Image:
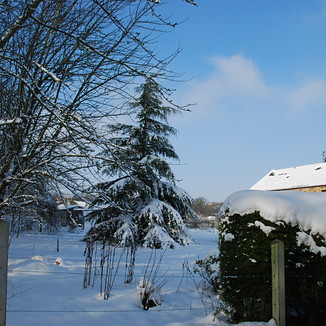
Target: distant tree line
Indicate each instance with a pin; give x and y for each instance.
(204, 208)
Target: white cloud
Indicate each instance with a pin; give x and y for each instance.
(236, 82)
(240, 76)
(310, 95)
(234, 78)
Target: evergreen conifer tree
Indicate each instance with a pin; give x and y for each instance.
(142, 205)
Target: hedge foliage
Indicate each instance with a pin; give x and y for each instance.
(244, 280)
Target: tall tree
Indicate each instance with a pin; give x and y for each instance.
(65, 67)
(142, 205)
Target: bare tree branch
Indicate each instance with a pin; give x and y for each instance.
(20, 21)
(67, 69)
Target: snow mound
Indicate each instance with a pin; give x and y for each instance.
(40, 258)
(30, 265)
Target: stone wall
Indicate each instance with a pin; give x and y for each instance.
(309, 189)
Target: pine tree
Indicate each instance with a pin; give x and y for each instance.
(142, 205)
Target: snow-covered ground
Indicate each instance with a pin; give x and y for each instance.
(41, 292)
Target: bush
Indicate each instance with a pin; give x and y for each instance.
(244, 280)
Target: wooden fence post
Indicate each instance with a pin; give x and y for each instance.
(278, 282)
(4, 244)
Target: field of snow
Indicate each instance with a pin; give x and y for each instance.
(43, 292)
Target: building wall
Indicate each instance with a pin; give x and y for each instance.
(309, 189)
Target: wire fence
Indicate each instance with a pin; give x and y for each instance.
(163, 309)
(136, 275)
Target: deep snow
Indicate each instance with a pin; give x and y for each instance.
(45, 287)
(303, 209)
(294, 207)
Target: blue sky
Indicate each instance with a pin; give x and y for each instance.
(257, 73)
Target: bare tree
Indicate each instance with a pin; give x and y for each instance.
(205, 208)
(66, 67)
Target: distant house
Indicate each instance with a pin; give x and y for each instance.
(308, 178)
(73, 215)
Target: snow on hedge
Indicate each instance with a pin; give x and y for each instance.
(307, 210)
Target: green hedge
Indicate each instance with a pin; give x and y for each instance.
(244, 278)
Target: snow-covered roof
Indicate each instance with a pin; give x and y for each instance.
(294, 177)
(77, 205)
(81, 203)
(70, 207)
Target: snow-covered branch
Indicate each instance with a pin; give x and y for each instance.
(19, 22)
(5, 122)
